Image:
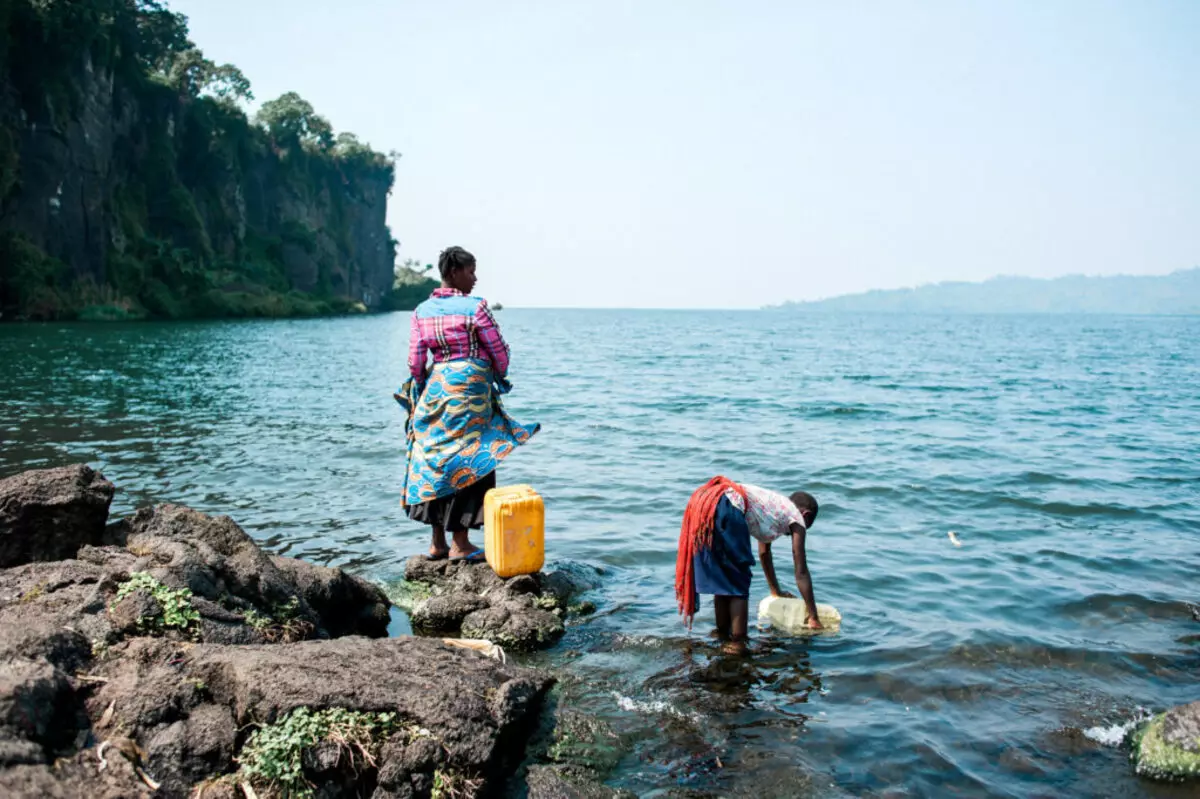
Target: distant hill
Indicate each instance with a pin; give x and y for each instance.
(1176, 293)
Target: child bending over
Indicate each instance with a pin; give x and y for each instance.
(715, 558)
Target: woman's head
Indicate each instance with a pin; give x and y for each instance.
(457, 268)
(807, 504)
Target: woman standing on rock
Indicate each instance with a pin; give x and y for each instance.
(457, 430)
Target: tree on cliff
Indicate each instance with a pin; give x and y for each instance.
(194, 75)
(291, 120)
(156, 34)
(164, 199)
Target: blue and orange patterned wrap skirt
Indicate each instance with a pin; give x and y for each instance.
(457, 429)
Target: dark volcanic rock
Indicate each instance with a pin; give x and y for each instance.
(180, 706)
(1181, 727)
(54, 611)
(49, 514)
(184, 704)
(76, 777)
(127, 615)
(99, 699)
(445, 613)
(37, 706)
(1167, 747)
(210, 555)
(420, 569)
(345, 604)
(522, 612)
(515, 626)
(214, 558)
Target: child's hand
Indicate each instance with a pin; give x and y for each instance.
(783, 594)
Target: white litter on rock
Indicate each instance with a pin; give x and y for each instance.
(481, 645)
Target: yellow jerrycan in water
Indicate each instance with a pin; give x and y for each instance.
(514, 535)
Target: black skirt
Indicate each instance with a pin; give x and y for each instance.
(462, 510)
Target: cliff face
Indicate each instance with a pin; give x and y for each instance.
(134, 189)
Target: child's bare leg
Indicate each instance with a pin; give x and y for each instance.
(739, 620)
(721, 610)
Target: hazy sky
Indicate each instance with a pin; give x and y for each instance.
(735, 154)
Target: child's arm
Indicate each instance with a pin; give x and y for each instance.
(768, 567)
(803, 578)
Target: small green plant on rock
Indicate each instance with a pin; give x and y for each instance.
(272, 758)
(546, 602)
(33, 594)
(282, 624)
(450, 785)
(176, 604)
(99, 648)
(584, 608)
(407, 594)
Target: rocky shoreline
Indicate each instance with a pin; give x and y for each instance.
(167, 655)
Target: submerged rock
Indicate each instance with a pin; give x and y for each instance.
(1168, 746)
(48, 514)
(555, 782)
(572, 757)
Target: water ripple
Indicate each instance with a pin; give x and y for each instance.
(1061, 451)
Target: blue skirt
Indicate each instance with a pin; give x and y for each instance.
(724, 569)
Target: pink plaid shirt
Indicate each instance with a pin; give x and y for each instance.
(454, 327)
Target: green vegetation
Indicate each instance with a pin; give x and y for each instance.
(406, 594)
(206, 213)
(282, 624)
(35, 593)
(451, 785)
(411, 286)
(272, 759)
(1156, 758)
(176, 604)
(585, 742)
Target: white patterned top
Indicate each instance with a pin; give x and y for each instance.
(770, 515)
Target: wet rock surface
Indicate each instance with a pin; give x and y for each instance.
(581, 750)
(1181, 727)
(1167, 748)
(147, 659)
(525, 612)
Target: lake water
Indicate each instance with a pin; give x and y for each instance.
(1062, 451)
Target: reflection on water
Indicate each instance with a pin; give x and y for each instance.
(1061, 451)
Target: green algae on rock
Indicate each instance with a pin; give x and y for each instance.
(1168, 746)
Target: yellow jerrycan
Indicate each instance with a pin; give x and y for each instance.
(514, 534)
